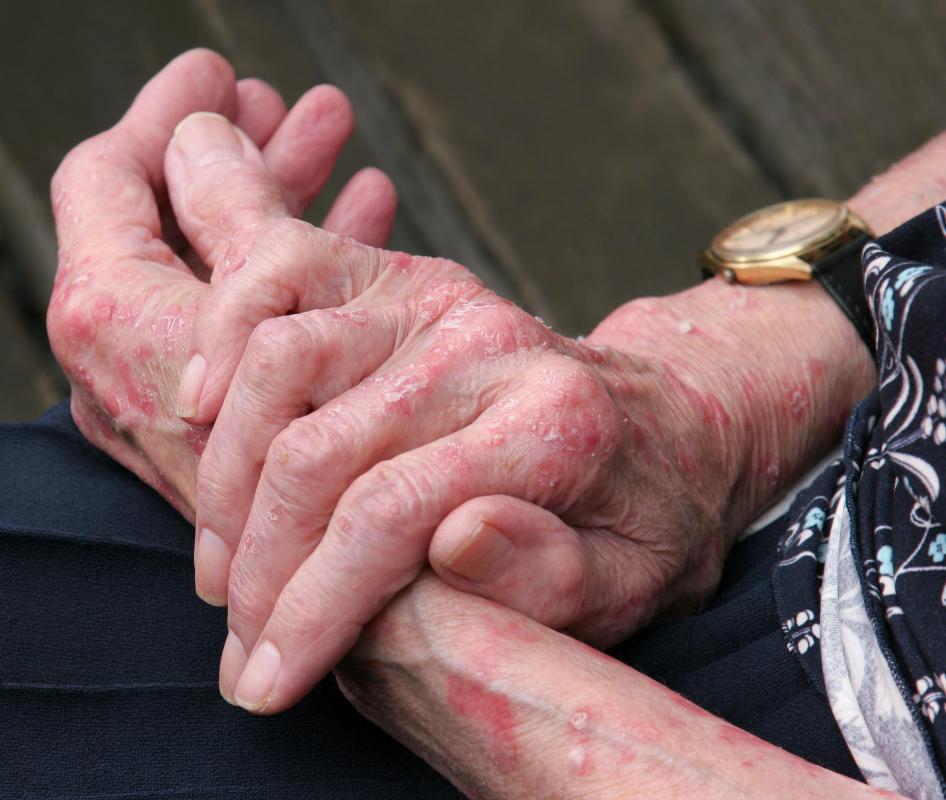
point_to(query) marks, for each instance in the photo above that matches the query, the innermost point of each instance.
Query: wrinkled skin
(620, 474)
(656, 382)
(129, 287)
(414, 413)
(507, 708)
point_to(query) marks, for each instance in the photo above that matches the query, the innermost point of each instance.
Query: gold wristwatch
(798, 240)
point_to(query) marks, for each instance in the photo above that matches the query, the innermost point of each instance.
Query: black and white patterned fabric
(860, 583)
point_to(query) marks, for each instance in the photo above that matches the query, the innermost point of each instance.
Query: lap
(109, 661)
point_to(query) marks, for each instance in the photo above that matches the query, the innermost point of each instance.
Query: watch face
(780, 230)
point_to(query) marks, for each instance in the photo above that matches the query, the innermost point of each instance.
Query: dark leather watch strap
(840, 274)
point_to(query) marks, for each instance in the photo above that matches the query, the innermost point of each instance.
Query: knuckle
(287, 259)
(275, 342)
(501, 315)
(390, 495)
(71, 166)
(69, 324)
(492, 326)
(584, 419)
(280, 238)
(303, 453)
(425, 274)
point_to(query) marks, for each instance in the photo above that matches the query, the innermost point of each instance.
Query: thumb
(589, 581)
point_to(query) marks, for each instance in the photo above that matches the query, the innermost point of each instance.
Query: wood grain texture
(297, 44)
(574, 152)
(823, 94)
(578, 146)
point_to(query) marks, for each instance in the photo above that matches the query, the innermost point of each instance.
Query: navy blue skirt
(108, 661)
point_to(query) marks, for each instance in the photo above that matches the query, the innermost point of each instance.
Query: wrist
(506, 708)
(782, 362)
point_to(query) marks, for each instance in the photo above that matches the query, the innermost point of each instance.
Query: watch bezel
(726, 255)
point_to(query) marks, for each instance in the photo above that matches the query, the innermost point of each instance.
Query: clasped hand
(373, 411)
(412, 413)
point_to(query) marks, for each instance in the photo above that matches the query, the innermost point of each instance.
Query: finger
(379, 533)
(329, 351)
(105, 189)
(260, 110)
(525, 557)
(303, 150)
(365, 208)
(375, 544)
(308, 466)
(425, 392)
(291, 267)
(221, 191)
(496, 546)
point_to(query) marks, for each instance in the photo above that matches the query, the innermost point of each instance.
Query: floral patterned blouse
(861, 578)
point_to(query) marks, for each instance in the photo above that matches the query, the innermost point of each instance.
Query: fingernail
(204, 138)
(255, 687)
(192, 386)
(232, 662)
(482, 556)
(212, 559)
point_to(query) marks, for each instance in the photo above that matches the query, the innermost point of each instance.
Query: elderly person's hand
(589, 485)
(127, 289)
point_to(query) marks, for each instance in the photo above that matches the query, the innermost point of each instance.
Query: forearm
(509, 709)
(778, 368)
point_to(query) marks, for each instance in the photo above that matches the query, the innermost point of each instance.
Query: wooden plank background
(575, 153)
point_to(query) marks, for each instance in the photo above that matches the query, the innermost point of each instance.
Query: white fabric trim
(868, 706)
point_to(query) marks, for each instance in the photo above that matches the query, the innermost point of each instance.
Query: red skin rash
(711, 410)
(84, 379)
(637, 435)
(401, 261)
(113, 405)
(140, 395)
(582, 763)
(196, 438)
(103, 310)
(770, 467)
(510, 630)
(797, 402)
(354, 318)
(79, 327)
(580, 760)
(707, 406)
(490, 711)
